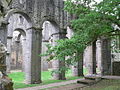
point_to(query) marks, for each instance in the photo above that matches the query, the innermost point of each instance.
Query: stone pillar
(3, 39)
(74, 70)
(5, 81)
(23, 53)
(17, 52)
(57, 64)
(99, 56)
(80, 65)
(106, 56)
(8, 56)
(78, 69)
(90, 59)
(3, 34)
(94, 56)
(32, 58)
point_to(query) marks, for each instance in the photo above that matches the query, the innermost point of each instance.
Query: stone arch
(15, 25)
(22, 32)
(18, 50)
(19, 20)
(50, 19)
(13, 11)
(54, 31)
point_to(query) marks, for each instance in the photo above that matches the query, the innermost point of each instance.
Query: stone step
(87, 82)
(92, 78)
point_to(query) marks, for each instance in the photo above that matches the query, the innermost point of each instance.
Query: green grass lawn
(18, 79)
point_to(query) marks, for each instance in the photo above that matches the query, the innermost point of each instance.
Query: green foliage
(93, 21)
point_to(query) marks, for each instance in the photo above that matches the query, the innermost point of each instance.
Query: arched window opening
(18, 42)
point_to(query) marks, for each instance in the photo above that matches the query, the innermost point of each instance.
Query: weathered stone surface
(5, 81)
(77, 70)
(88, 59)
(116, 68)
(106, 56)
(57, 64)
(3, 49)
(27, 17)
(99, 56)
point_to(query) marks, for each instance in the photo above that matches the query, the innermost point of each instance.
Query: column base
(6, 83)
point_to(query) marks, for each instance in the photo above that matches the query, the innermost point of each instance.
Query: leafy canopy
(93, 20)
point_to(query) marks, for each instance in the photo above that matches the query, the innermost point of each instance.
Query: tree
(93, 21)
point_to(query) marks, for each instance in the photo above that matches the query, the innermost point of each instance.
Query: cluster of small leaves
(93, 20)
(111, 9)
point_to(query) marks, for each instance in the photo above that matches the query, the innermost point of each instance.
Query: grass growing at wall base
(18, 79)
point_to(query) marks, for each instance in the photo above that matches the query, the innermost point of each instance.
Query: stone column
(78, 69)
(90, 59)
(17, 52)
(3, 39)
(8, 56)
(32, 59)
(74, 70)
(106, 56)
(99, 56)
(57, 64)
(5, 81)
(80, 65)
(94, 57)
(3, 34)
(23, 53)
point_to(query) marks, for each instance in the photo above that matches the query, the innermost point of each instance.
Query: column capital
(17, 41)
(35, 28)
(9, 37)
(5, 22)
(58, 33)
(103, 37)
(98, 41)
(8, 53)
(63, 30)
